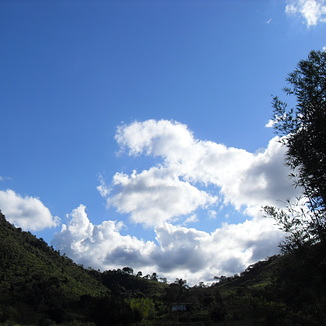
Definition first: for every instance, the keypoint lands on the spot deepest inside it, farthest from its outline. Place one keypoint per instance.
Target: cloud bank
(29, 213)
(177, 252)
(100, 246)
(312, 11)
(190, 180)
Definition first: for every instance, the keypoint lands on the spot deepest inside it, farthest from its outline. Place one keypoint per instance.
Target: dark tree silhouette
(303, 131)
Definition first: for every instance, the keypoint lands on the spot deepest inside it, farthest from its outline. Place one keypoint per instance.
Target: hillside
(283, 290)
(35, 279)
(38, 286)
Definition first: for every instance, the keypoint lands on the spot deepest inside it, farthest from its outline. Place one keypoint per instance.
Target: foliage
(142, 307)
(40, 287)
(131, 286)
(110, 310)
(128, 270)
(36, 282)
(297, 222)
(283, 290)
(304, 131)
(300, 279)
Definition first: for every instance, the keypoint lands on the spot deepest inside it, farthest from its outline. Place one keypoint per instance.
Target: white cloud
(156, 195)
(212, 214)
(191, 219)
(178, 251)
(154, 137)
(29, 213)
(190, 180)
(270, 123)
(182, 182)
(313, 11)
(198, 256)
(100, 246)
(102, 188)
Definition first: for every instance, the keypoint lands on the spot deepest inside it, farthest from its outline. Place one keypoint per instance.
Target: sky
(137, 133)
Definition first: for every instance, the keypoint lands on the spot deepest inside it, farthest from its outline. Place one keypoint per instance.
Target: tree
(142, 307)
(303, 131)
(154, 277)
(127, 270)
(182, 288)
(297, 221)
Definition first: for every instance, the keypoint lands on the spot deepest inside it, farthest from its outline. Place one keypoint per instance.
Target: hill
(39, 286)
(283, 290)
(35, 280)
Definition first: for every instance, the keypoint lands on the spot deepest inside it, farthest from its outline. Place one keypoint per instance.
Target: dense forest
(41, 286)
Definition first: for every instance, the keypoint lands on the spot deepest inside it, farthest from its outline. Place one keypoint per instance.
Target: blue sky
(133, 133)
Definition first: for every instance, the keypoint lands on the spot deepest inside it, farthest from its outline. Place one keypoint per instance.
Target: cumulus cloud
(182, 182)
(313, 11)
(29, 213)
(155, 138)
(198, 256)
(156, 195)
(190, 179)
(177, 251)
(100, 246)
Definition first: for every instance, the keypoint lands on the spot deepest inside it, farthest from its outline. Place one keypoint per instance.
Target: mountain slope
(38, 286)
(283, 290)
(35, 279)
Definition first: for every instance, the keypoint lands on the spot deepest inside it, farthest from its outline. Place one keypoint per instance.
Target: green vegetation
(38, 286)
(283, 290)
(303, 131)
(36, 281)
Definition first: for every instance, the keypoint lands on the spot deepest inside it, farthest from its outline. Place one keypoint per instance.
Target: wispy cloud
(102, 188)
(4, 178)
(191, 219)
(29, 213)
(312, 11)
